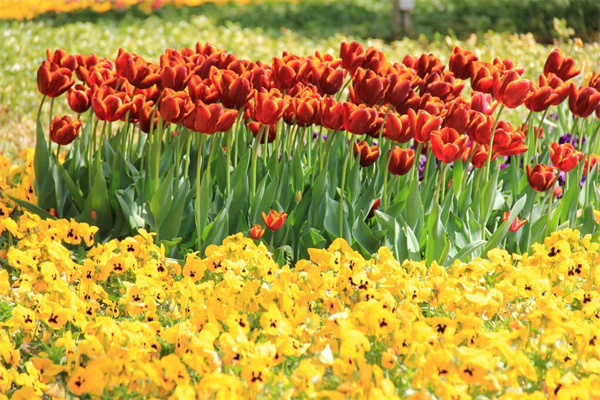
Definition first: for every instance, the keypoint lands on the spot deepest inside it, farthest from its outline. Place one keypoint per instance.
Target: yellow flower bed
(28, 9)
(122, 320)
(119, 320)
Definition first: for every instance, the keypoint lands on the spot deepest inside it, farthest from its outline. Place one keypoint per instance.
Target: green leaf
(414, 207)
(73, 189)
(457, 176)
(98, 201)
(161, 200)
(169, 227)
(332, 220)
(467, 250)
(436, 236)
(502, 230)
(130, 209)
(32, 207)
(362, 234)
(44, 182)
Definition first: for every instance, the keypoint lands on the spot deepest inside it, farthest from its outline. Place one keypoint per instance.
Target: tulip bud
(63, 130)
(257, 232)
(299, 196)
(516, 224)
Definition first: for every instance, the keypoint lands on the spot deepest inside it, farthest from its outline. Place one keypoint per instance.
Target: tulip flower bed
(202, 145)
(120, 320)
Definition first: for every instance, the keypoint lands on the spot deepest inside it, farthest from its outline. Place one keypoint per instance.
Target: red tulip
(481, 154)
(480, 127)
(268, 107)
(110, 105)
(583, 101)
(175, 77)
(483, 79)
(595, 81)
(509, 89)
(136, 70)
(394, 130)
(565, 157)
(352, 55)
(368, 154)
(102, 77)
(424, 64)
(398, 89)
(53, 80)
(507, 141)
(79, 98)
(401, 160)
(138, 103)
(63, 130)
(358, 119)
(303, 111)
(328, 79)
(448, 145)
(257, 232)
(516, 224)
(332, 114)
(288, 71)
(146, 114)
(420, 125)
(483, 103)
(211, 118)
(541, 177)
(367, 87)
(274, 221)
(563, 67)
(235, 90)
(442, 85)
(175, 106)
(462, 63)
(203, 90)
(62, 59)
(456, 116)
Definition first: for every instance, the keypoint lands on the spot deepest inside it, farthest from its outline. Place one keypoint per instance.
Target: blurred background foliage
(523, 30)
(371, 18)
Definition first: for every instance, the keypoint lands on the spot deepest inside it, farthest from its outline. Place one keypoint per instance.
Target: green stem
(491, 148)
(228, 175)
(197, 200)
(441, 180)
(39, 113)
(386, 173)
(343, 184)
(253, 162)
(50, 124)
(535, 136)
(549, 212)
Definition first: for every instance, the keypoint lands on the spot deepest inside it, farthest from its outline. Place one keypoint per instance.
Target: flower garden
(342, 224)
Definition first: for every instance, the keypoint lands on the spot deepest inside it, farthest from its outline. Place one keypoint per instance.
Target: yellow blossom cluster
(28, 9)
(119, 320)
(16, 180)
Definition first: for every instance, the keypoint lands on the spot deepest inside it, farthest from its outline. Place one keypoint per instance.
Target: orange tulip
(257, 232)
(516, 224)
(274, 221)
(448, 145)
(565, 157)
